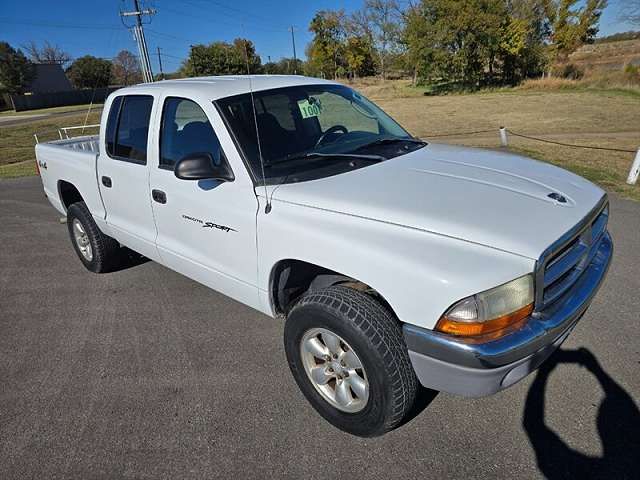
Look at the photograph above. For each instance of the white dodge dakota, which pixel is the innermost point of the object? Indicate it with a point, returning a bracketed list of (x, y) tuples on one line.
[(395, 262)]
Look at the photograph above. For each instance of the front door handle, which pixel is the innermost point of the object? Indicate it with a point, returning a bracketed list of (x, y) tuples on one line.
[(159, 196), (106, 181)]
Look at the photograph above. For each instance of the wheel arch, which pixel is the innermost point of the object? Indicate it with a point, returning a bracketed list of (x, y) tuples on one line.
[(68, 193), (291, 278)]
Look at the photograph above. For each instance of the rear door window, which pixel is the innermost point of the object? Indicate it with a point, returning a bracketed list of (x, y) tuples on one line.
[(128, 128)]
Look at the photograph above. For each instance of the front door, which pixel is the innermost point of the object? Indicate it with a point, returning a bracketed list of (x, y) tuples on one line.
[(206, 228), (123, 175)]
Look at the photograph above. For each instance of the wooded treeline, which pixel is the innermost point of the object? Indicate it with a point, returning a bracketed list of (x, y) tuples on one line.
[(446, 44), (471, 43)]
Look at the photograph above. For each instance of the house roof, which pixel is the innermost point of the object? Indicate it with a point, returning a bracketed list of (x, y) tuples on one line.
[(49, 78)]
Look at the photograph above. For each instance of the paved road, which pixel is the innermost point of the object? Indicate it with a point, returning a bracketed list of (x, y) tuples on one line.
[(146, 374)]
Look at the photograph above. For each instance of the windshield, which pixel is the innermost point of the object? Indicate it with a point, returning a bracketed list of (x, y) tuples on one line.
[(312, 131)]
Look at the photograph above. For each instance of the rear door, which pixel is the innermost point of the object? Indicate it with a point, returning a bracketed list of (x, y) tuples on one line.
[(206, 228), (123, 175)]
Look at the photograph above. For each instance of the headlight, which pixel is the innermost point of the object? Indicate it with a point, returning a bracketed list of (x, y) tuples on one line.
[(491, 310)]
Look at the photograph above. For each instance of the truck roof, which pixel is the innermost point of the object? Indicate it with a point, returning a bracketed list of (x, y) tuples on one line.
[(227, 85)]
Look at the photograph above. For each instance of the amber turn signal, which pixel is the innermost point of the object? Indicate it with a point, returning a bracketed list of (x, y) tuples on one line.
[(471, 329)]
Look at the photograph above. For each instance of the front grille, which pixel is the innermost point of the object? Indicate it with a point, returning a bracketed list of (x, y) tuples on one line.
[(562, 264)]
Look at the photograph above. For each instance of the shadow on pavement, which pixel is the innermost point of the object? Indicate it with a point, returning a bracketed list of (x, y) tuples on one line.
[(424, 397), (128, 259), (618, 424)]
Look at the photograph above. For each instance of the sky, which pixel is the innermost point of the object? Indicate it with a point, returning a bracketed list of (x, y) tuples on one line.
[(83, 27)]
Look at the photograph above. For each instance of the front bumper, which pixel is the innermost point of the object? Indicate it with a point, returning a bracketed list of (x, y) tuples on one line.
[(470, 368)]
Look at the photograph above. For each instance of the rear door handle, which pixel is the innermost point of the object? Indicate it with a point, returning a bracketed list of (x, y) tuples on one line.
[(106, 181), (159, 196)]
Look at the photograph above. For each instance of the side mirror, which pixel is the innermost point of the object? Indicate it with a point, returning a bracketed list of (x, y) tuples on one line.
[(200, 166)]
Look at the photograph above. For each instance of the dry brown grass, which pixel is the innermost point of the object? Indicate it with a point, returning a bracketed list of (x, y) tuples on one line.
[(607, 56), (588, 117), (549, 83), (595, 80)]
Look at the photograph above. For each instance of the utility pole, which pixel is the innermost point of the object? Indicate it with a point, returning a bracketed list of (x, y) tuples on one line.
[(160, 63), (138, 34), (293, 42)]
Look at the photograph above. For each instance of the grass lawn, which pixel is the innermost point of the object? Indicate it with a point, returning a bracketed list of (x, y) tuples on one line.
[(20, 169), (17, 142)]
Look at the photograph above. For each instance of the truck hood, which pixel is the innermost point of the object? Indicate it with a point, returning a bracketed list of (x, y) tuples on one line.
[(491, 198)]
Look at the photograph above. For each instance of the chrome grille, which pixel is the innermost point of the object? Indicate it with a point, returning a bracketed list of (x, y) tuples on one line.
[(562, 264)]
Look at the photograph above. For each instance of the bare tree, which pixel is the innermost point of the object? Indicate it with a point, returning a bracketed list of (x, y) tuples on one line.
[(48, 53), (631, 11), (380, 21), (126, 68)]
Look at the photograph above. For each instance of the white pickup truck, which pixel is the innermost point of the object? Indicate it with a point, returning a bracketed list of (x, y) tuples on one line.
[(394, 261)]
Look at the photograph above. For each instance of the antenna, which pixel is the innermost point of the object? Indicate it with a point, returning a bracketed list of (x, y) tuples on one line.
[(267, 207)]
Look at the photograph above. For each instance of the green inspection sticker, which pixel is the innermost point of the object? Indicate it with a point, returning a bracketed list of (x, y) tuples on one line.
[(309, 110)]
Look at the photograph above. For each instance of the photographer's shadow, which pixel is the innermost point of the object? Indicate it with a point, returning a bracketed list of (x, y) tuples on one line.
[(618, 424)]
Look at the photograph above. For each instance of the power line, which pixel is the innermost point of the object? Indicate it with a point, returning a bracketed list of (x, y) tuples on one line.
[(44, 23), (172, 56), (221, 22), (167, 35), (244, 13)]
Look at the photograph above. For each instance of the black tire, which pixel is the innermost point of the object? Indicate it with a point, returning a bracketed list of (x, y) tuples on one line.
[(375, 335), (106, 250)]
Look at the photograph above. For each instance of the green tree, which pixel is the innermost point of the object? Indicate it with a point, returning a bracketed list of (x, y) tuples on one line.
[(222, 58), (418, 39), (284, 66), (459, 38), (325, 52), (358, 55), (90, 72), (476, 42), (522, 52), (16, 71), (572, 25)]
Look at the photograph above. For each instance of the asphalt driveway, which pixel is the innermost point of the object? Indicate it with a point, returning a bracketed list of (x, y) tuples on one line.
[(144, 373)]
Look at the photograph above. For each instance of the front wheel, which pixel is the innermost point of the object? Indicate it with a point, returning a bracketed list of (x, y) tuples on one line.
[(347, 355)]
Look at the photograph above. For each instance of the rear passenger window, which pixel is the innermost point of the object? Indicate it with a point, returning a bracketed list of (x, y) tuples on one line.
[(186, 130), (128, 128)]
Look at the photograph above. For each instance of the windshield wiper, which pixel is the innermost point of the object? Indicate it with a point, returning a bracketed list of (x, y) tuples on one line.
[(348, 156), (385, 141)]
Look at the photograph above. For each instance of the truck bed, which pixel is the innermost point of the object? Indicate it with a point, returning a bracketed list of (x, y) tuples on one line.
[(71, 161)]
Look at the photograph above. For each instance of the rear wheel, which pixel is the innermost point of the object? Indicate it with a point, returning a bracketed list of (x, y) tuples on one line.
[(347, 354), (98, 252)]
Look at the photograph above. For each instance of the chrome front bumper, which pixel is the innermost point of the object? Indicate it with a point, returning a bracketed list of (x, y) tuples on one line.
[(469, 368)]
